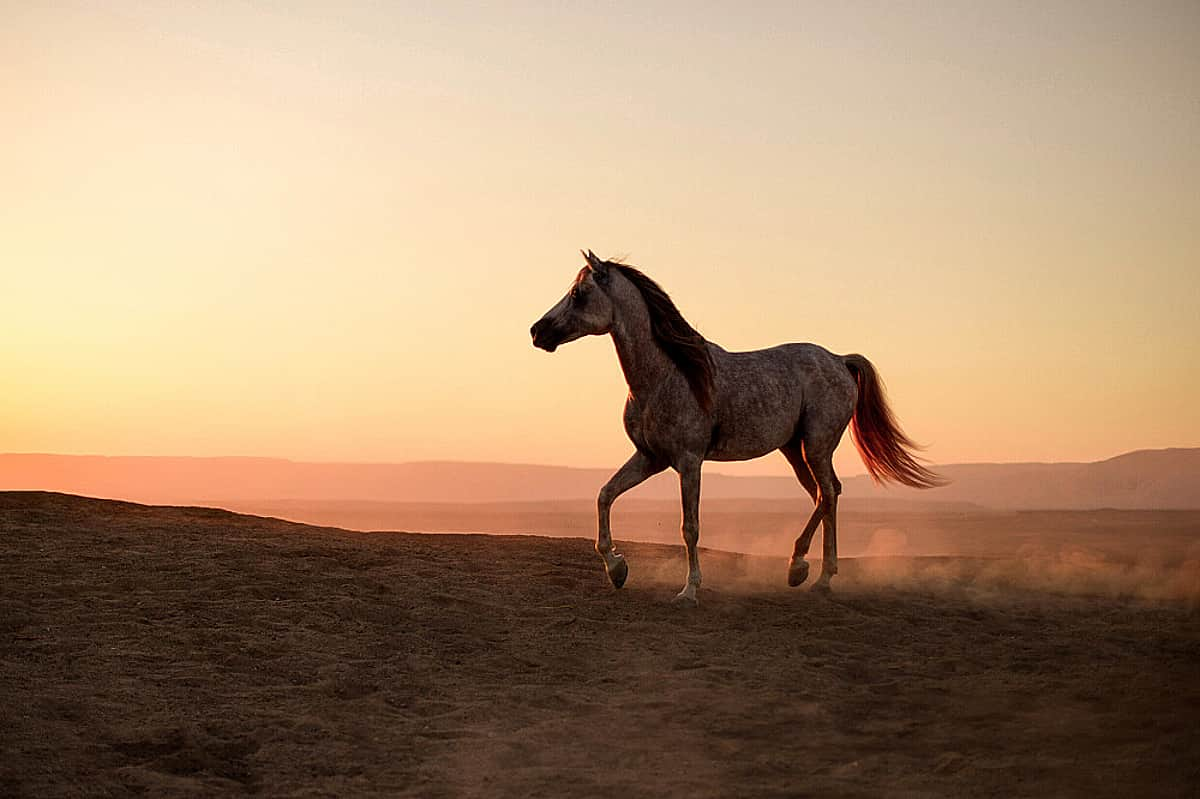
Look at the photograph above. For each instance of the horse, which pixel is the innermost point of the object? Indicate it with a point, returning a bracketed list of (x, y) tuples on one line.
[(691, 401)]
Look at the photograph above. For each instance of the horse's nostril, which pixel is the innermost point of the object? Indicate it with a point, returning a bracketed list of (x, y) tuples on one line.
[(541, 338)]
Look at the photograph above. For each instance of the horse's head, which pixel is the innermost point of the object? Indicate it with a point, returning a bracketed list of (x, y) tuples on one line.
[(586, 310)]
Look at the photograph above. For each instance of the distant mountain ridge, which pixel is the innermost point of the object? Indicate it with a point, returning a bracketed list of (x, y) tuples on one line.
[(1158, 479), (1145, 479)]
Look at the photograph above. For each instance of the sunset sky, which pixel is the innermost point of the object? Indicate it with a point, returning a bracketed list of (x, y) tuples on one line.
[(321, 231)]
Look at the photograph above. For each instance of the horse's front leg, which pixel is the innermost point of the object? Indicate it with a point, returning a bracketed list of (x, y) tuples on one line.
[(635, 471), (689, 491)]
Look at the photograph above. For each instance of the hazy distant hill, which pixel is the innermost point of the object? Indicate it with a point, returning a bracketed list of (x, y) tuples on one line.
[(1148, 479)]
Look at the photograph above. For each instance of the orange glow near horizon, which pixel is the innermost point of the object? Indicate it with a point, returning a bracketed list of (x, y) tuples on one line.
[(324, 235)]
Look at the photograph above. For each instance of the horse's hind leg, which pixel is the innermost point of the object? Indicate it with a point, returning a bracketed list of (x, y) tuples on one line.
[(828, 487), (798, 566), (813, 465), (636, 470)]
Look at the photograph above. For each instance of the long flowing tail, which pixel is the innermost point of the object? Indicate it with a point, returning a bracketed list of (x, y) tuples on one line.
[(885, 449)]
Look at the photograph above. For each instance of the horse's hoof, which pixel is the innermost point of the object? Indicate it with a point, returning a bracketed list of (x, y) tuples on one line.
[(797, 572), (618, 573), (821, 588), (685, 600)]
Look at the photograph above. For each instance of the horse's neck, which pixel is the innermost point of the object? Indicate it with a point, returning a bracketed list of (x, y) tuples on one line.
[(644, 363)]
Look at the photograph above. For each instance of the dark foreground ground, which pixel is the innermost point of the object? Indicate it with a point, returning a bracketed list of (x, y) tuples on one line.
[(184, 652)]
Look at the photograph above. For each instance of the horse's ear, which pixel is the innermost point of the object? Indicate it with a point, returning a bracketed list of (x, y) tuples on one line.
[(599, 268)]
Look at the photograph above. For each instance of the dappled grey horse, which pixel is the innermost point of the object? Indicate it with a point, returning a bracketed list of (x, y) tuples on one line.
[(691, 401)]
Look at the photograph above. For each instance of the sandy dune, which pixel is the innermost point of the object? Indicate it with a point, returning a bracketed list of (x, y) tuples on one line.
[(184, 651)]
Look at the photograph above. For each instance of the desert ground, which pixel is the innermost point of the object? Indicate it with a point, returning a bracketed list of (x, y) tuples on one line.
[(187, 652)]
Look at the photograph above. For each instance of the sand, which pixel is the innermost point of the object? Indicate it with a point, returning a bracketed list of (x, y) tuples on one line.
[(192, 652)]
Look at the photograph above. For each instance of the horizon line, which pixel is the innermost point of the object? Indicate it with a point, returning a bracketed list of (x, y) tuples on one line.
[(280, 459)]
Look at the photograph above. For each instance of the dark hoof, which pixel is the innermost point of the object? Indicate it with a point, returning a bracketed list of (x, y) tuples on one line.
[(619, 573), (797, 572), (822, 588)]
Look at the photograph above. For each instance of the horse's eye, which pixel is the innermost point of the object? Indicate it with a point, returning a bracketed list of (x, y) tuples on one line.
[(576, 295)]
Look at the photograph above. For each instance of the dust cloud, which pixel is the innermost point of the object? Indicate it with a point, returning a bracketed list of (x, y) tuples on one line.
[(1157, 564)]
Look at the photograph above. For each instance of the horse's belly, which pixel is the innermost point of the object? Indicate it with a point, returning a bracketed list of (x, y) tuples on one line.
[(747, 454), (743, 442)]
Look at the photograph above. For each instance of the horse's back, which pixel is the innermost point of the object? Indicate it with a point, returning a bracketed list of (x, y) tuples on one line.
[(764, 396), (786, 366)]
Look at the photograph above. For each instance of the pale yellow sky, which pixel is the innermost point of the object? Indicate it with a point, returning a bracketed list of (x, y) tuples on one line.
[(322, 233)]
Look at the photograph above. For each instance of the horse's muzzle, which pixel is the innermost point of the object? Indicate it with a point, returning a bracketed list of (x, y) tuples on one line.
[(544, 336)]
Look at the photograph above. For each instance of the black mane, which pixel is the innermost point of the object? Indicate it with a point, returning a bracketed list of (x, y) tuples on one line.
[(678, 339)]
